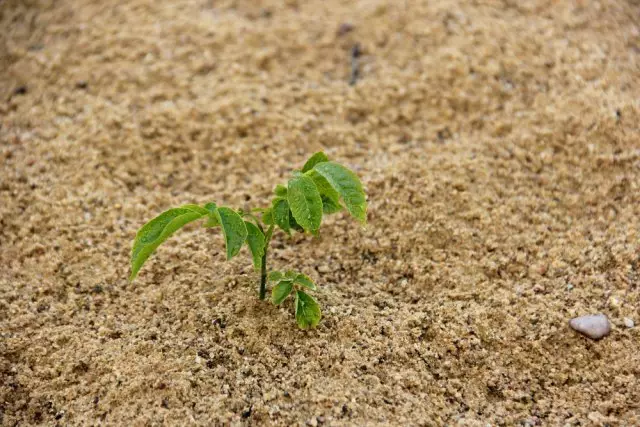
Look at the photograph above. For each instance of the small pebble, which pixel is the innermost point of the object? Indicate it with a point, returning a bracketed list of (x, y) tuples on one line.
[(594, 326), (324, 269), (629, 323)]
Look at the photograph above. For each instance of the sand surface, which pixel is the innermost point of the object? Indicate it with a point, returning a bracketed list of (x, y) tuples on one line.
[(499, 144)]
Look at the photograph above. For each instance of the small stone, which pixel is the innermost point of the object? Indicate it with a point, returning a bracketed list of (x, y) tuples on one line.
[(594, 326), (324, 268), (628, 322), (569, 287)]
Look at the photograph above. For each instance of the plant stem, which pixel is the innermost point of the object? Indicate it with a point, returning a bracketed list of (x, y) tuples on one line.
[(263, 276), (263, 273)]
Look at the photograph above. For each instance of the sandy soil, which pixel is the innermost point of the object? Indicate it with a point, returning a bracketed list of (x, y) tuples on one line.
[(500, 148)]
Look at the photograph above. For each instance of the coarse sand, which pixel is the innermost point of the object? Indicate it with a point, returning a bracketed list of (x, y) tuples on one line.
[(499, 144)]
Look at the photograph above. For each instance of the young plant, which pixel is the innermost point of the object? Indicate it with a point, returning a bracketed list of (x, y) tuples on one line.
[(320, 188)]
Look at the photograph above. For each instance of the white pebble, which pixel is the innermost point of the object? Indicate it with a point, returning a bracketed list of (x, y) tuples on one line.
[(594, 326), (629, 323)]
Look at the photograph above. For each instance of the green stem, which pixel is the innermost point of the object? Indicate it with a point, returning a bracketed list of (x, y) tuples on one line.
[(263, 276), (263, 273)]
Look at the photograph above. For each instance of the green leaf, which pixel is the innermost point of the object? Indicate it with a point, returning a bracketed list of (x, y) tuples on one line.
[(330, 197), (281, 214), (305, 202), (304, 280), (324, 187), (294, 224), (255, 241), (196, 208), (281, 191), (319, 157), (330, 206), (281, 291), (267, 216), (275, 276), (156, 231), (290, 274), (307, 311), (212, 219), (234, 230), (347, 183)]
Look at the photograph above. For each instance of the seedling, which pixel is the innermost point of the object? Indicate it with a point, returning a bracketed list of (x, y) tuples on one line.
[(321, 188)]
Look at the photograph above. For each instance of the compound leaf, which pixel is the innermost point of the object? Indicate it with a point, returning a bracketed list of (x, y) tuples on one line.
[(159, 229), (307, 311), (347, 183), (234, 230), (281, 291), (304, 280), (281, 214), (256, 242), (319, 157), (305, 202)]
